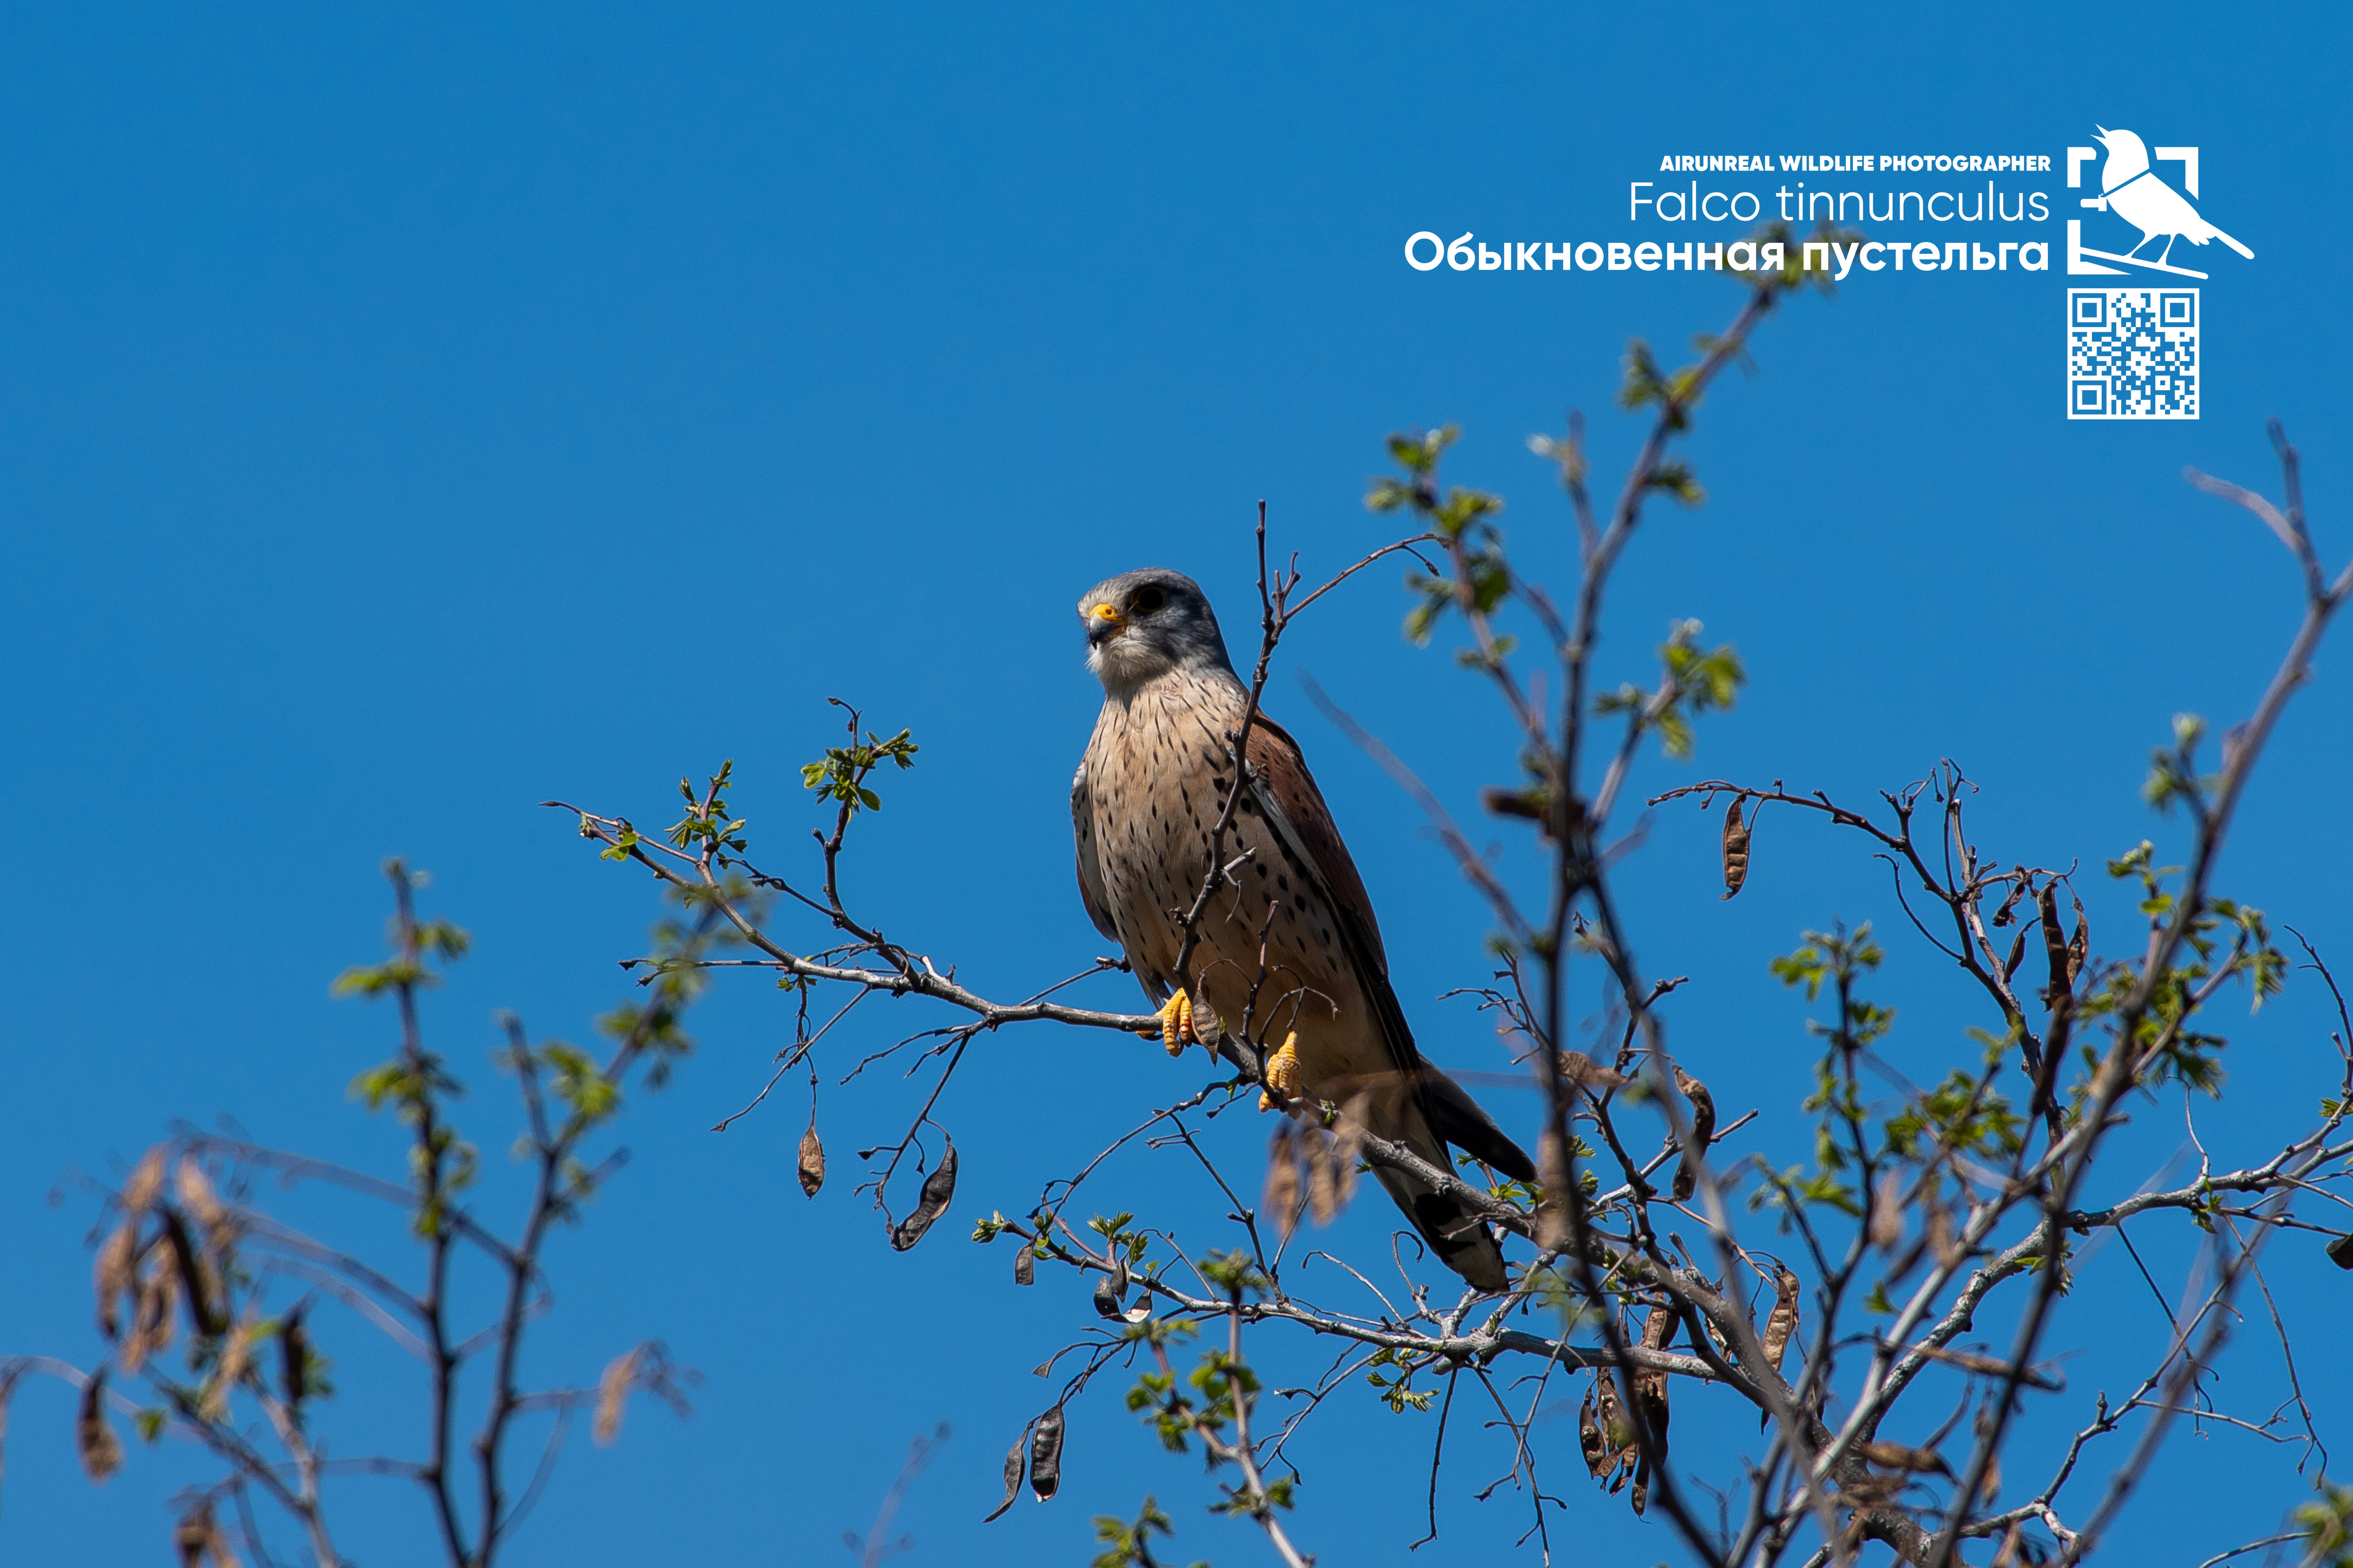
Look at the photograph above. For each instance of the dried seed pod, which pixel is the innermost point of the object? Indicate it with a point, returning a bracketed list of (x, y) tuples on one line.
[(236, 1356), (202, 1204), (1107, 1299), (7, 1387), (1782, 1321), (1279, 1199), (2017, 956), (1553, 1231), (1348, 1145), (2013, 1547), (811, 1163), (199, 1536), (1046, 1454), (94, 1438), (2340, 1252), (2079, 946), (114, 1275), (1012, 1476), (1940, 1235), (1578, 1070), (1887, 1212), (939, 1191), (1702, 1132), (1650, 1390), (294, 1358), (2054, 946), (1990, 1488), (1025, 1265), (1588, 1436), (144, 1184), (151, 1320), (612, 1395), (1736, 848), (2017, 886), (1322, 1179), (1901, 1456), (206, 1312)]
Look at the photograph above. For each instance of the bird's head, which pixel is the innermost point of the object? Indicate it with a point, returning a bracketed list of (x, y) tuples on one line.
[(2127, 153), (1144, 624)]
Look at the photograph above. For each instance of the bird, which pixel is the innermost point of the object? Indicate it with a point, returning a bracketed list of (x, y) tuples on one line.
[(1287, 942), (2130, 189)]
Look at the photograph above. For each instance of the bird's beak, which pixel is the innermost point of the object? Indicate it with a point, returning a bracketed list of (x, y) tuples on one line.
[(1104, 623)]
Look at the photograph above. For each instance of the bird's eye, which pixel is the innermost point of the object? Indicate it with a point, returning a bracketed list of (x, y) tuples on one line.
[(1147, 599)]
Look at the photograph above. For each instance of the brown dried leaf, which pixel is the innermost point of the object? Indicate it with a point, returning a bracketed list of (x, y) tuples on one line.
[(1107, 1299), (2079, 946), (100, 1449), (144, 1184), (812, 1162), (1046, 1454), (113, 1275), (1702, 1132), (612, 1394), (2017, 886), (1990, 1488), (939, 1191), (1736, 849), (2012, 1547), (1782, 1321), (2340, 1252), (1279, 1199), (1887, 1212), (1012, 1476), (1025, 1265)]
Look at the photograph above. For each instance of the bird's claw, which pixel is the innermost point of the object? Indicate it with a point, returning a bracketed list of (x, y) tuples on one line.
[(1282, 1074), (1176, 1024)]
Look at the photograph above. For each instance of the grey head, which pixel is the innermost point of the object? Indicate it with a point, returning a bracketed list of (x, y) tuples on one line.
[(1143, 625)]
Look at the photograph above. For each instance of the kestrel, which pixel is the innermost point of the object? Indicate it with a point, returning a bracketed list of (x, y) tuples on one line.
[(1287, 941)]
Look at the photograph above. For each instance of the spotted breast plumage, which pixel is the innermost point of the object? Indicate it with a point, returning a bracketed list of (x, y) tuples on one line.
[(1288, 946)]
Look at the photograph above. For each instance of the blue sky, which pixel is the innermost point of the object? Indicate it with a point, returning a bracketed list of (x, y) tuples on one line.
[(408, 415)]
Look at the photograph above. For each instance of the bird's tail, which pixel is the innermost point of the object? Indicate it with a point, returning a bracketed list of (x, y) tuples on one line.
[(1459, 1236)]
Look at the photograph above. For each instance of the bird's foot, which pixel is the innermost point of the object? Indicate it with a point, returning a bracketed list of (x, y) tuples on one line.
[(1281, 1075), (1176, 1029)]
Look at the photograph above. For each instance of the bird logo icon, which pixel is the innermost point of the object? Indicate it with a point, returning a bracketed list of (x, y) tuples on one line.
[(2131, 188)]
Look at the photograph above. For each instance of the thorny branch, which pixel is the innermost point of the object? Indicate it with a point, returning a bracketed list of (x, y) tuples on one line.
[(1992, 1204)]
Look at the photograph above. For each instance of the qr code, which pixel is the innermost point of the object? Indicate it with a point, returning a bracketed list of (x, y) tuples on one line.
[(2132, 353)]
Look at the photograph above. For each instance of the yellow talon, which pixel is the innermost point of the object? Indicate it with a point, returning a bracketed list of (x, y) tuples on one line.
[(1176, 1024), (1281, 1075)]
